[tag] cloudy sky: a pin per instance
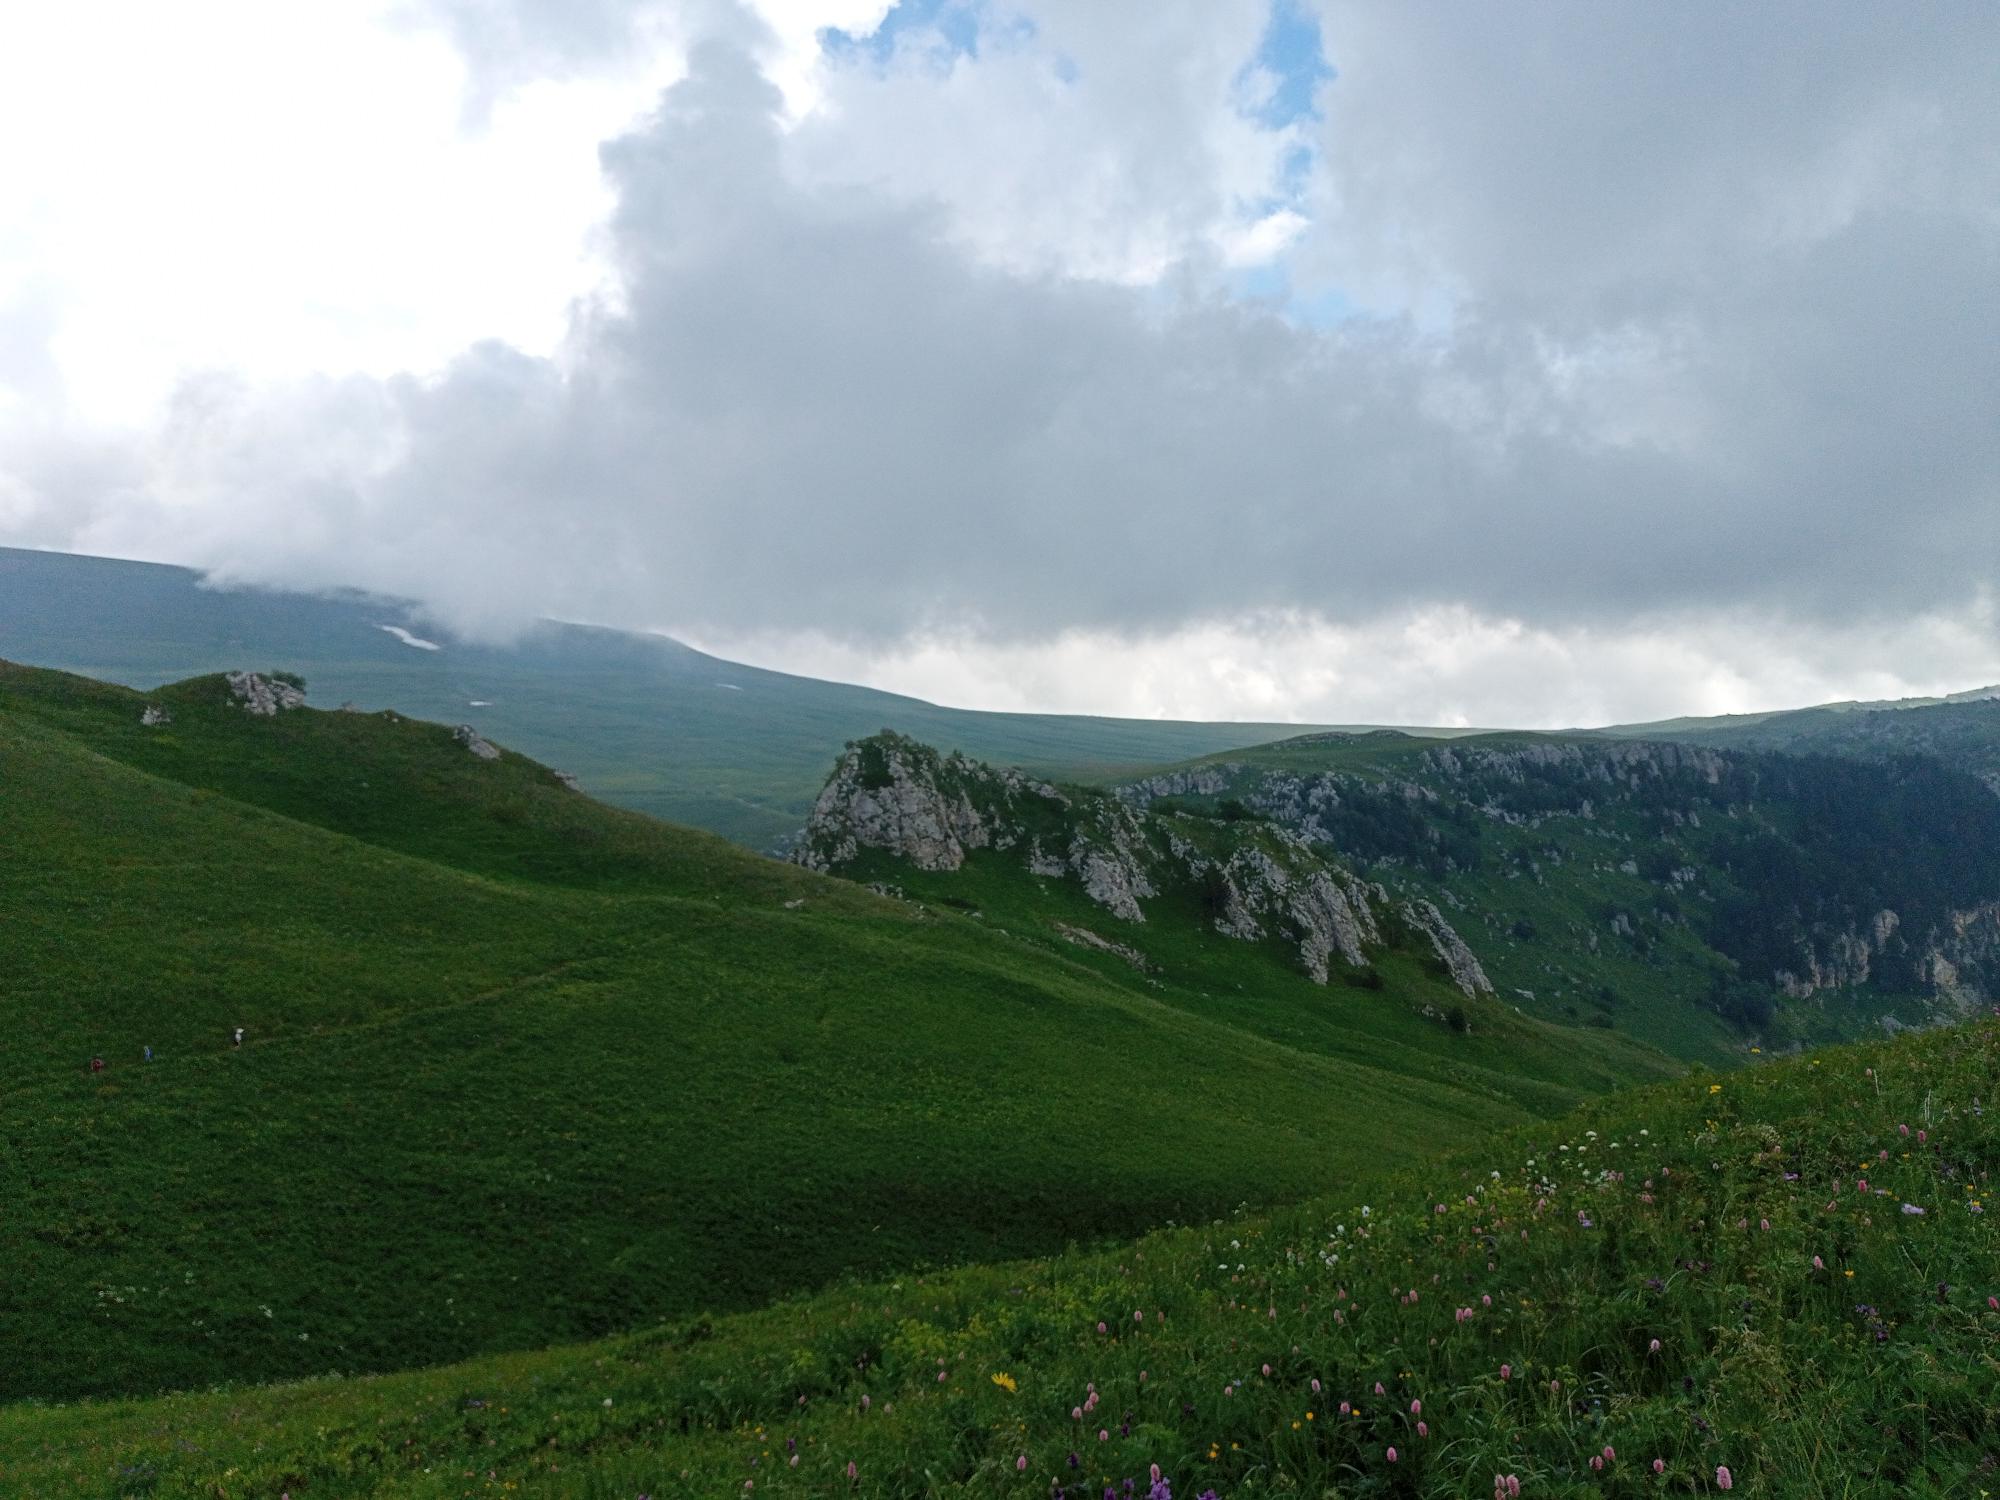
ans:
(1532, 364)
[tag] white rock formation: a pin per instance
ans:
(469, 737)
(264, 696)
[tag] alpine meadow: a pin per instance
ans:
(897, 749)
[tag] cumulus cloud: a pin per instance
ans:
(1601, 323)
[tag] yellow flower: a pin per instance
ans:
(1005, 1382)
(1715, 1088)
(1309, 1416)
(1848, 1274)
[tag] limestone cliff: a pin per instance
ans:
(1251, 880)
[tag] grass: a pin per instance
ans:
(523, 1069)
(1720, 1273)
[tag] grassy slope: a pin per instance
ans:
(646, 722)
(522, 1068)
(1691, 1274)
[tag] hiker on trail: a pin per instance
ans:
(236, 1040)
(97, 1065)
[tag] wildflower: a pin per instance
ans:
(1423, 1429)
(1653, 1347)
(1345, 1409)
(1416, 1408)
(1596, 1462)
(1315, 1385)
(1911, 1208)
(1722, 1479)
(1659, 1466)
(1267, 1372)
(1100, 1325)
(851, 1471)
(1715, 1088)
(1392, 1455)
(1506, 1372)
(1378, 1389)
(1006, 1382)
(1818, 1264)
(943, 1376)
(1021, 1464)
(1610, 1454)
(865, 1403)
(1103, 1436)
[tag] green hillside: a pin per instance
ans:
(520, 1068)
(1398, 1008)
(1706, 902)
(1963, 731)
(644, 721)
(1784, 1282)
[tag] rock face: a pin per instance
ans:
(895, 795)
(1955, 959)
(154, 716)
(469, 737)
(266, 697)
(1450, 948)
(1252, 880)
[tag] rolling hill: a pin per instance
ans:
(521, 1068)
(644, 721)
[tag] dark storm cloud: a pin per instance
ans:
(1649, 332)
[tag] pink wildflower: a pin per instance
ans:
(852, 1472)
(1610, 1454)
(1423, 1429)
(1659, 1466)
(1506, 1372)
(1654, 1347)
(1392, 1455)
(1021, 1464)
(1722, 1478)
(1416, 1408)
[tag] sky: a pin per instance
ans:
(1341, 362)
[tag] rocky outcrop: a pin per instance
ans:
(264, 696)
(1253, 880)
(1196, 781)
(1110, 859)
(1321, 908)
(568, 780)
(1458, 960)
(887, 793)
(154, 716)
(472, 740)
